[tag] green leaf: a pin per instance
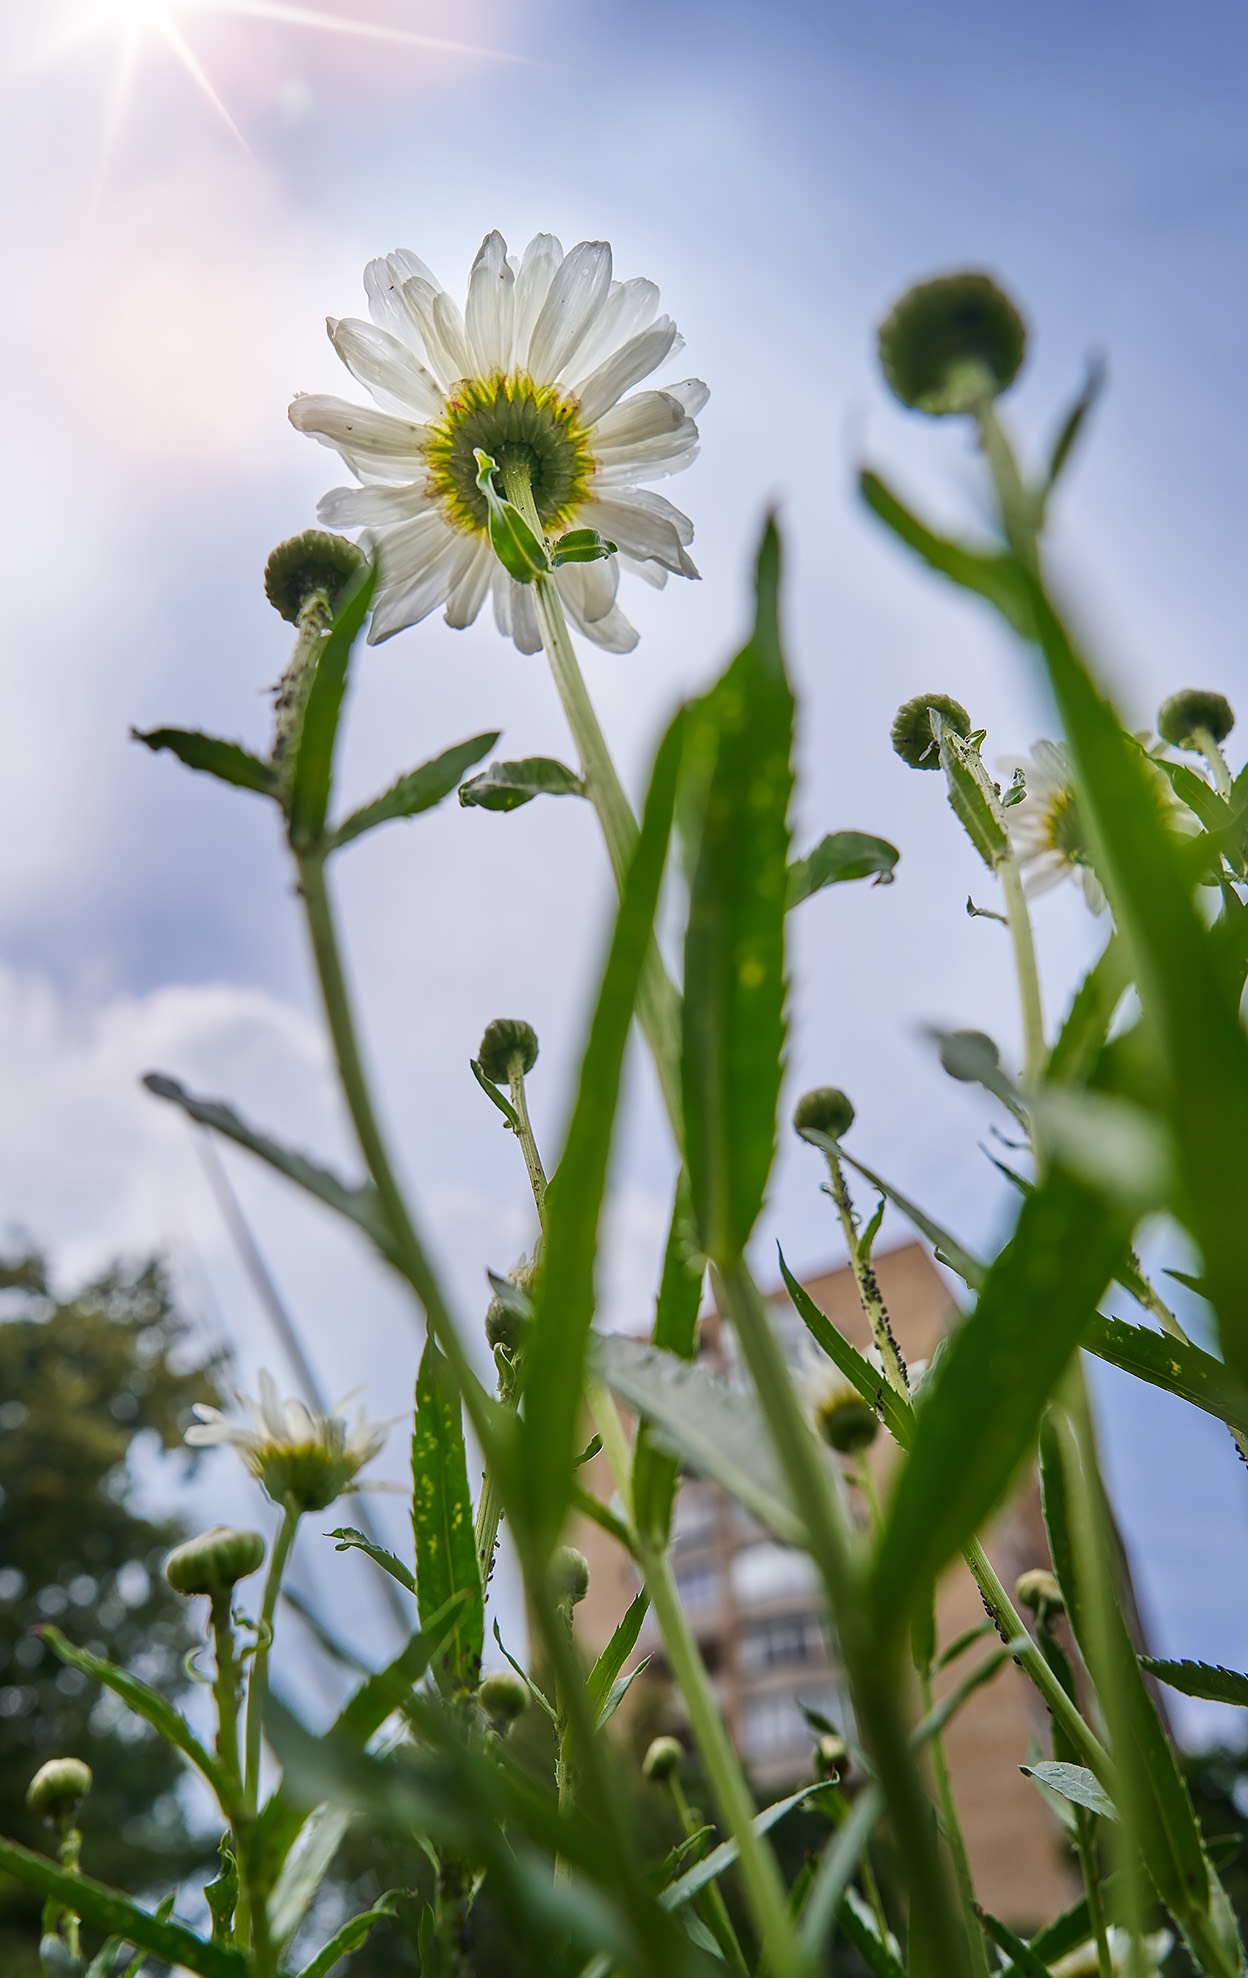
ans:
(313, 768)
(715, 1430)
(948, 1249)
(982, 1401)
(837, 1868)
(442, 1520)
(349, 1539)
(1071, 428)
(229, 762)
(1172, 1364)
(304, 1870)
(972, 795)
(896, 1410)
(991, 574)
(146, 1703)
(732, 1056)
(507, 785)
(360, 1718)
(555, 1359)
(609, 1664)
(1148, 1788)
(1078, 1046)
(943, 1712)
(108, 1910)
(1202, 1052)
(419, 790)
(1201, 1679)
(857, 1925)
(1023, 1960)
(349, 1937)
(840, 856)
(720, 1859)
(1073, 1782)
(619, 1690)
(655, 1473)
(359, 1203)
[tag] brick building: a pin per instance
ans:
(755, 1608)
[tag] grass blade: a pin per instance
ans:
(555, 1359)
(733, 1021)
(442, 1519)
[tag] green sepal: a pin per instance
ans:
(581, 546)
(972, 795)
(229, 762)
(508, 785)
(522, 554)
(840, 856)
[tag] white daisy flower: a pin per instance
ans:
(1046, 829)
(541, 364)
(295, 1452)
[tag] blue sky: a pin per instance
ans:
(782, 172)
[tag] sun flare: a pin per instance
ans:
(129, 28)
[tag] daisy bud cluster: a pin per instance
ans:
(912, 734)
(503, 1697)
(826, 1110)
(214, 1562)
(508, 1045)
(1191, 719)
(663, 1760)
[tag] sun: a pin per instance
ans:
(133, 26)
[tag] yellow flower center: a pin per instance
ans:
(512, 419)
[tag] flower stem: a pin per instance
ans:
(711, 1901)
(869, 1293)
(409, 1254)
(258, 1686)
(527, 1139)
(657, 1002)
(873, 1676)
(1005, 1617)
(953, 1833)
(1018, 920)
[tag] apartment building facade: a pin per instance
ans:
(755, 1608)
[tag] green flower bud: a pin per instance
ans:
(58, 1788)
(1038, 1589)
(1191, 714)
(504, 1325)
(949, 344)
(311, 565)
(507, 1038)
(503, 1697)
(215, 1561)
(831, 1757)
(663, 1760)
(825, 1110)
(912, 734)
(569, 1575)
(844, 1420)
(522, 554)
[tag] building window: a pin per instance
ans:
(784, 1641)
(767, 1570)
(774, 1725)
(697, 1585)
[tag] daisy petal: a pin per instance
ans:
(524, 626)
(372, 507)
(538, 267)
(576, 297)
(609, 629)
(647, 415)
(383, 285)
(468, 594)
(646, 526)
(373, 444)
(396, 378)
(626, 367)
(490, 310)
(441, 330)
(630, 308)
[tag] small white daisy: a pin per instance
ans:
(537, 366)
(1046, 828)
(295, 1452)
